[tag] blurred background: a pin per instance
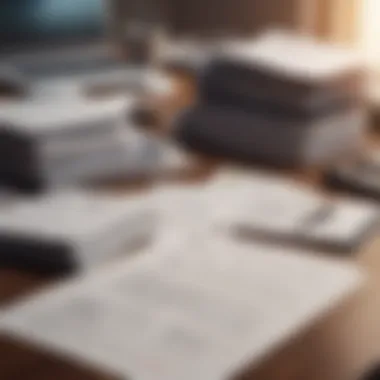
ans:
(34, 22)
(117, 118)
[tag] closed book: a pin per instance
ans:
(238, 135)
(287, 73)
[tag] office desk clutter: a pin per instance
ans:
(282, 99)
(201, 302)
(191, 280)
(184, 313)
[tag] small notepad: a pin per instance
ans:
(278, 208)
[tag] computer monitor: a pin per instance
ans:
(29, 23)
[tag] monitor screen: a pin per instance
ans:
(29, 22)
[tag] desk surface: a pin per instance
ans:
(338, 347)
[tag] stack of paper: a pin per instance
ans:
(72, 230)
(47, 145)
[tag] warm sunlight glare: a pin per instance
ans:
(371, 31)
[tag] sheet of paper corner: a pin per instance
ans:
(67, 112)
(234, 189)
(315, 60)
(309, 287)
(68, 213)
(69, 89)
(277, 204)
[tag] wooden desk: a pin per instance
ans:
(338, 347)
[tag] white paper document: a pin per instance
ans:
(96, 227)
(276, 207)
(275, 51)
(184, 313)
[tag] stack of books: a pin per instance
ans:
(46, 145)
(282, 99)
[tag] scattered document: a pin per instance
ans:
(202, 312)
(275, 207)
